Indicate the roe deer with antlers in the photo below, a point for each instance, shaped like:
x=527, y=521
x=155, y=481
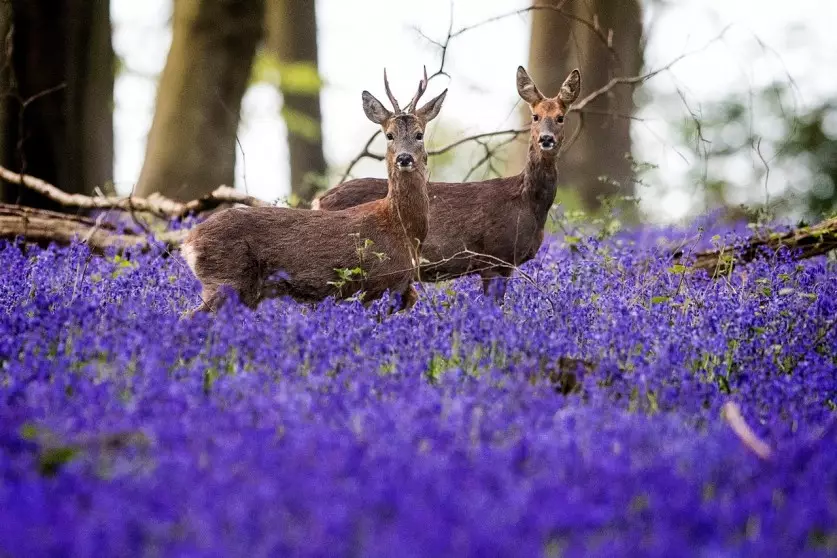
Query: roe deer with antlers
x=264, y=252
x=491, y=226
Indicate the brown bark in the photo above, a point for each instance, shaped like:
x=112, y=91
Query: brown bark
x=191, y=145
x=43, y=226
x=292, y=37
x=595, y=164
x=156, y=204
x=57, y=113
x=815, y=240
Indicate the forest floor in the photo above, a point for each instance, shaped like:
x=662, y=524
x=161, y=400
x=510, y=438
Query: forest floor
x=617, y=404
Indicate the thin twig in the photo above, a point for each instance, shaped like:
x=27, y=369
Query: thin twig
x=444, y=46
x=513, y=131
x=365, y=153
x=732, y=414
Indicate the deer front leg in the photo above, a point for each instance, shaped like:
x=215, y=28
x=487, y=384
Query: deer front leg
x=211, y=299
x=409, y=298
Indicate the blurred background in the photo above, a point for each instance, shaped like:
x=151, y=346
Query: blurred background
x=180, y=96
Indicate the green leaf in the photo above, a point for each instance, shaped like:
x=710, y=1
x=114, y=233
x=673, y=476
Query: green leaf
x=295, y=78
x=52, y=459
x=300, y=78
x=301, y=124
x=29, y=431
x=659, y=299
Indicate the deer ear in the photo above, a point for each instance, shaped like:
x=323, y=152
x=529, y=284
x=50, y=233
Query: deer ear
x=526, y=88
x=431, y=110
x=375, y=111
x=570, y=88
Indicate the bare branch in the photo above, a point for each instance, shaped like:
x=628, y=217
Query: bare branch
x=364, y=154
x=605, y=38
x=623, y=80
x=514, y=132
x=579, y=106
x=815, y=240
x=156, y=204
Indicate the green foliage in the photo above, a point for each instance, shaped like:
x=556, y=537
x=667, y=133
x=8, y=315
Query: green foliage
x=296, y=78
x=52, y=460
x=301, y=124
x=794, y=146
x=51, y=456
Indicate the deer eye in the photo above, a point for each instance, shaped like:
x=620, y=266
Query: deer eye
x=419, y=136
x=535, y=117
x=560, y=119
x=390, y=137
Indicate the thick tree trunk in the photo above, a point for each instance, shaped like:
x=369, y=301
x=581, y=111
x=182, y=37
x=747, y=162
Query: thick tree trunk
x=191, y=145
x=597, y=163
x=292, y=38
x=57, y=118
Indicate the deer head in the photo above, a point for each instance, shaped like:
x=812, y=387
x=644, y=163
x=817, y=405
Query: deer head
x=404, y=129
x=548, y=113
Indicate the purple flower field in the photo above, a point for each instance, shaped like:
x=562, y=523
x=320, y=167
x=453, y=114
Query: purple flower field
x=583, y=417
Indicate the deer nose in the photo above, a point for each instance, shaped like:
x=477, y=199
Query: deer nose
x=404, y=160
x=547, y=139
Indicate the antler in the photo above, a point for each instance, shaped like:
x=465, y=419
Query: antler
x=421, y=89
x=389, y=93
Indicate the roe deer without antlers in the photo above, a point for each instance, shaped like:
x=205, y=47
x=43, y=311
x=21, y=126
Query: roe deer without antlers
x=263, y=252
x=486, y=227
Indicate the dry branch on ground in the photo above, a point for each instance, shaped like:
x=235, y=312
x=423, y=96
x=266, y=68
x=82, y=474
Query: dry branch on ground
x=155, y=204
x=38, y=225
x=48, y=226
x=804, y=242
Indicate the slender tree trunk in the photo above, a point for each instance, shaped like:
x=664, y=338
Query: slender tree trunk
x=191, y=145
x=57, y=120
x=5, y=82
x=597, y=163
x=292, y=38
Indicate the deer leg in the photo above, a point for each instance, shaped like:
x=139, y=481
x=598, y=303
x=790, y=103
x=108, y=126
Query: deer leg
x=408, y=298
x=209, y=299
x=252, y=292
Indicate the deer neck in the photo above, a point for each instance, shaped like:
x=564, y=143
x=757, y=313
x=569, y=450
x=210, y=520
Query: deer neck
x=540, y=181
x=409, y=202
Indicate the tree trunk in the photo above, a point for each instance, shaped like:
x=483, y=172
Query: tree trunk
x=191, y=145
x=292, y=38
x=57, y=120
x=597, y=163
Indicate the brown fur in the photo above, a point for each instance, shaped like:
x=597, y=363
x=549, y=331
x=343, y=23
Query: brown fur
x=475, y=224
x=264, y=252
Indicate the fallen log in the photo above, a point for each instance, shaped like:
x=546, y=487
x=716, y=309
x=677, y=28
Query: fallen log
x=156, y=204
x=48, y=226
x=42, y=226
x=805, y=242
